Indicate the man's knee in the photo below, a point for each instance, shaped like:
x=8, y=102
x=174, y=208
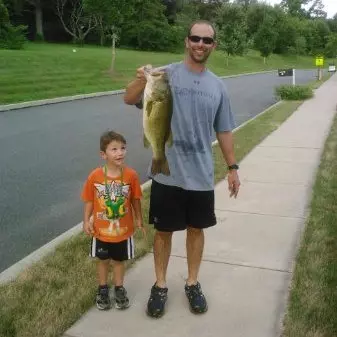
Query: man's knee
x=195, y=231
x=164, y=235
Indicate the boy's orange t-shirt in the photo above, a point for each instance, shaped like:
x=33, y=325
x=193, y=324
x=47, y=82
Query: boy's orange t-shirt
x=94, y=190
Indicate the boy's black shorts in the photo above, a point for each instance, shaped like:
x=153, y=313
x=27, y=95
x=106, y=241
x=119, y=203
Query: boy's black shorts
x=174, y=209
x=117, y=251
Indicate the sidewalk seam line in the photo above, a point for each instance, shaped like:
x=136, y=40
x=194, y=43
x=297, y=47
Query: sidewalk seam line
x=267, y=214
x=239, y=265
x=290, y=147
x=278, y=183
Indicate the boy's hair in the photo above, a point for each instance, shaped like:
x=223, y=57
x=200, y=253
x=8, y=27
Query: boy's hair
x=109, y=136
x=201, y=22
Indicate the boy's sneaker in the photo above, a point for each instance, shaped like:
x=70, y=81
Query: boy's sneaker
x=196, y=298
x=121, y=299
x=157, y=301
x=103, y=299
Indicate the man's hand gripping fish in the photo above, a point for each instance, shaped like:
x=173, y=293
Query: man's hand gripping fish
x=157, y=116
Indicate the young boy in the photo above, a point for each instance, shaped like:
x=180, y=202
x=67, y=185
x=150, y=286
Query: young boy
x=112, y=195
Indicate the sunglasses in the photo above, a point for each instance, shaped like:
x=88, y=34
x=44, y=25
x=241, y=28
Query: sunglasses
x=205, y=40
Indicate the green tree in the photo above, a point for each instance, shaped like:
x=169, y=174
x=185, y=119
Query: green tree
x=231, y=26
x=188, y=14
x=331, y=46
x=333, y=24
x=109, y=16
x=255, y=16
x=266, y=37
x=75, y=20
x=148, y=28
x=316, y=32
x=246, y=3
x=289, y=37
x=10, y=37
x=38, y=6
x=298, y=8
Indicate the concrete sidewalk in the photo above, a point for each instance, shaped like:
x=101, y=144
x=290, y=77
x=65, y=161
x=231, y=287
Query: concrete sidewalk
x=248, y=257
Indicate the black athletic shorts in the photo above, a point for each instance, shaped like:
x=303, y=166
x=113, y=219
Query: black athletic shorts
x=117, y=251
x=174, y=209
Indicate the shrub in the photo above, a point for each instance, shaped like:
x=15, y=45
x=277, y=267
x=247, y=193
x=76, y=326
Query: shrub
x=294, y=93
x=10, y=37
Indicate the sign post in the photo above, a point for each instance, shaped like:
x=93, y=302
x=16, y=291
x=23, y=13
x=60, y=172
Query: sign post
x=319, y=63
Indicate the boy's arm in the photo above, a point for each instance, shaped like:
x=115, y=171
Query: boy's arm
x=87, y=225
x=134, y=90
x=137, y=207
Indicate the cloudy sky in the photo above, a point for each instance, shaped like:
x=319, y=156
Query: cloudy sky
x=330, y=6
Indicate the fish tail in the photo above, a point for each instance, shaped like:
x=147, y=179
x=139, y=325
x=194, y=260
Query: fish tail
x=160, y=166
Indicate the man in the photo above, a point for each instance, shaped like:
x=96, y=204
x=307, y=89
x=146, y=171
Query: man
x=185, y=199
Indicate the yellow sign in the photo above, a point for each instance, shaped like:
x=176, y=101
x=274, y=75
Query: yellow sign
x=319, y=61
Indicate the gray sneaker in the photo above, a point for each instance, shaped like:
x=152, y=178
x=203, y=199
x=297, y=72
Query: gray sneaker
x=121, y=299
x=103, y=299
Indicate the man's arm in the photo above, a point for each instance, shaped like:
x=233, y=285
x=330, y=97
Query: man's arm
x=134, y=92
x=226, y=144
x=135, y=89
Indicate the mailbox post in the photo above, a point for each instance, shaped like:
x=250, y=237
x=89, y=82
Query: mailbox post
x=287, y=72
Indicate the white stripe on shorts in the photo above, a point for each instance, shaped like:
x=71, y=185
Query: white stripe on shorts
x=131, y=248
x=93, y=247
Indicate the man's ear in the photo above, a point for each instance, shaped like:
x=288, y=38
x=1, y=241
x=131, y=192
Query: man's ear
x=215, y=45
x=186, y=42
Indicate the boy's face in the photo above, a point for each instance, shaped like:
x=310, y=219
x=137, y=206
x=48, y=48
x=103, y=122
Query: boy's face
x=114, y=153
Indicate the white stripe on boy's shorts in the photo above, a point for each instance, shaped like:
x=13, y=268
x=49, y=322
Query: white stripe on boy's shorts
x=131, y=250
x=93, y=247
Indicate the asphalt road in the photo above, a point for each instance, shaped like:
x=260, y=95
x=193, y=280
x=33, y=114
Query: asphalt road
x=48, y=151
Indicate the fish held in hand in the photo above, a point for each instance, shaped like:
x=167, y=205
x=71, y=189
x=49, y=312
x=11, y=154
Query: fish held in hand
x=157, y=114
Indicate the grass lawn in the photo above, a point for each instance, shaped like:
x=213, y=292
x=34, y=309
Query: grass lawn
x=52, y=70
x=49, y=297
x=312, y=309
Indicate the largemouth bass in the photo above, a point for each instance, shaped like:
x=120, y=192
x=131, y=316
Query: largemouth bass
x=157, y=114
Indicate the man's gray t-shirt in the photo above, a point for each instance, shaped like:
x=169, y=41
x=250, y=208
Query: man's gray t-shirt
x=200, y=106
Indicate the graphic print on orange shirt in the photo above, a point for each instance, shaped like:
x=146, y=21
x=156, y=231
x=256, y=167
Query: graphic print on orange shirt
x=126, y=187
x=117, y=193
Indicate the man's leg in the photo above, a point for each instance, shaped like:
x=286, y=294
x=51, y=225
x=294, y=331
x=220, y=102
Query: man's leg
x=200, y=216
x=162, y=251
x=194, y=249
x=167, y=213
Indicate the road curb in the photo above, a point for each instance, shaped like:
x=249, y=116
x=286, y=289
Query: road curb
x=63, y=99
x=12, y=272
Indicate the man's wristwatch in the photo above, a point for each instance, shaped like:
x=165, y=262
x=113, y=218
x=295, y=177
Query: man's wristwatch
x=233, y=167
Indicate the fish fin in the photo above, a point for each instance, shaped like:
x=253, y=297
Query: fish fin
x=170, y=139
x=165, y=168
x=160, y=166
x=149, y=105
x=146, y=142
